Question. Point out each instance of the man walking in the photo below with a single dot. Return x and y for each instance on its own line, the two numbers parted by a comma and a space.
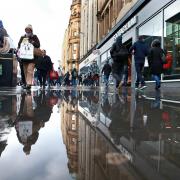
43, 66
119, 54
106, 70
140, 51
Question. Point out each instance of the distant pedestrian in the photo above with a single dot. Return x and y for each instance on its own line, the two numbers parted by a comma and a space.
107, 71
119, 54
155, 59
140, 51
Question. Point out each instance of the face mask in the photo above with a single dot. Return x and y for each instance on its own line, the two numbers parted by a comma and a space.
28, 34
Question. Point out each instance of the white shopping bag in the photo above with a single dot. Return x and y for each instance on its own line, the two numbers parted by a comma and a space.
26, 50
25, 129
146, 64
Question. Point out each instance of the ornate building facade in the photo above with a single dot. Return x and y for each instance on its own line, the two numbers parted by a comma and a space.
71, 45
70, 128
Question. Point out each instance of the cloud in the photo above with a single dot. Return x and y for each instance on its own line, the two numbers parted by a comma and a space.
49, 19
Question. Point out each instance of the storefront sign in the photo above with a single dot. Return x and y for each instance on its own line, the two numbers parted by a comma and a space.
126, 27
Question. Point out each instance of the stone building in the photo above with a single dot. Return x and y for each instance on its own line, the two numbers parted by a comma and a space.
71, 43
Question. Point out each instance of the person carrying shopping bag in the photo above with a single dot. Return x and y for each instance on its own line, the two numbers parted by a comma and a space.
26, 46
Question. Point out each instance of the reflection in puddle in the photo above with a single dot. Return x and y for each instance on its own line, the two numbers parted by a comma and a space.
103, 136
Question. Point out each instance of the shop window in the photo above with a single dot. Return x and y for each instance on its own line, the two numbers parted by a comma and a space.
151, 30
172, 41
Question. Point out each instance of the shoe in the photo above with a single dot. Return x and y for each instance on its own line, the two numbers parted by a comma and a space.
157, 87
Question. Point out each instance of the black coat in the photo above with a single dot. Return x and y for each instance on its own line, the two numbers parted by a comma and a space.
155, 60
106, 69
44, 63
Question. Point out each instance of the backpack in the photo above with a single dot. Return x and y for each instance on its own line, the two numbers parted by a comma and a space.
119, 54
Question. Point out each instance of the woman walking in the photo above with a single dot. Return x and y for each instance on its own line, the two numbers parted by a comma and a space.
155, 59
29, 64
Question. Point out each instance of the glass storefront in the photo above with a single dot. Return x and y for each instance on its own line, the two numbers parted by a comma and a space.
151, 30
165, 24
172, 40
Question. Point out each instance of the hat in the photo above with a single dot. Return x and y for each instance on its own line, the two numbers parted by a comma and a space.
29, 26
1, 24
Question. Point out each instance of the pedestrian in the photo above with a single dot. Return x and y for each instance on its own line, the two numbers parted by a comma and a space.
155, 60
74, 76
119, 54
66, 79
80, 80
140, 51
28, 65
60, 76
43, 66
106, 70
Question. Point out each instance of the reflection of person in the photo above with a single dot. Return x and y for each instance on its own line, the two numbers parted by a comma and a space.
106, 70
28, 65
31, 118
119, 116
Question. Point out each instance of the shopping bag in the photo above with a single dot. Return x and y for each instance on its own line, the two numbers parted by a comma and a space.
26, 50
53, 75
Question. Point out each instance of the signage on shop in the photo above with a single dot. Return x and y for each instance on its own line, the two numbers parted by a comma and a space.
126, 27
86, 61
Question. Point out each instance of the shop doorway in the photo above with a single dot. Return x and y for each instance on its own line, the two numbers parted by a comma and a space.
128, 44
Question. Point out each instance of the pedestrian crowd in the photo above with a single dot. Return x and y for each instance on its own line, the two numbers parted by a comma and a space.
37, 68
155, 55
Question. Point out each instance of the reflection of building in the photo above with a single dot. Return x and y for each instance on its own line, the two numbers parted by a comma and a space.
142, 135
70, 128
71, 43
98, 159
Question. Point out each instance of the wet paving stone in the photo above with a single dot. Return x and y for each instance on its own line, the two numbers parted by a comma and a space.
88, 135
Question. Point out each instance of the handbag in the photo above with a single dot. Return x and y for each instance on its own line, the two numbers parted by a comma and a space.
53, 75
38, 52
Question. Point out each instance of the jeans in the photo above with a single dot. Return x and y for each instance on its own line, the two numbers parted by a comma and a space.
157, 78
139, 68
73, 81
106, 79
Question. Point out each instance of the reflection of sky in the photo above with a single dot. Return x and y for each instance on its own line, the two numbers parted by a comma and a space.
47, 160
152, 27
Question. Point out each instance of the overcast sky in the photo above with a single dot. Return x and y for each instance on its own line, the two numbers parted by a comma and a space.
49, 19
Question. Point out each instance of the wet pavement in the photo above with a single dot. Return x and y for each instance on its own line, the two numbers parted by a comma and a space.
89, 135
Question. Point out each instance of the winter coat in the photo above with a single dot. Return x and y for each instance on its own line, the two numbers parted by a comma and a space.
140, 51
155, 60
119, 54
44, 63
106, 69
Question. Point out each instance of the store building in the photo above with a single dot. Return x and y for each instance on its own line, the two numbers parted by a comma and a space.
155, 21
